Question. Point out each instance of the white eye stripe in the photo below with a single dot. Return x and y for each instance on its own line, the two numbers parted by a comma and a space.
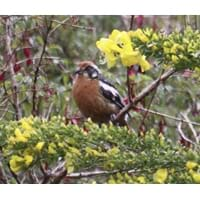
95, 67
94, 75
109, 88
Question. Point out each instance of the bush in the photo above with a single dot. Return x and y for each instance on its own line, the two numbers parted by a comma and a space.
39, 151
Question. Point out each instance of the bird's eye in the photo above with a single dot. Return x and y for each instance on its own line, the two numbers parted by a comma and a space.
92, 72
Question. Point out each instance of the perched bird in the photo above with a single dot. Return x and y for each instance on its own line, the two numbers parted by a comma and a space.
95, 96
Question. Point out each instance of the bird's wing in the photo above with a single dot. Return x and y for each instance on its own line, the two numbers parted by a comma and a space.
110, 93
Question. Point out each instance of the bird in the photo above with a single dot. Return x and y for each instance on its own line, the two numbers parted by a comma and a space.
95, 96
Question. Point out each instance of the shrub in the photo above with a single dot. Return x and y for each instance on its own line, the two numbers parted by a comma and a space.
34, 150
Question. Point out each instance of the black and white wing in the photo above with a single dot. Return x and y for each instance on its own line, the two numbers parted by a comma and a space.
110, 93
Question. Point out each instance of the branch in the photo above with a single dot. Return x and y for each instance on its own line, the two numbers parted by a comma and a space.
49, 111
56, 174
131, 22
128, 82
165, 115
36, 75
59, 172
96, 173
59, 24
33, 177
145, 92
151, 100
89, 28
46, 174
191, 127
38, 58
183, 135
3, 178
10, 60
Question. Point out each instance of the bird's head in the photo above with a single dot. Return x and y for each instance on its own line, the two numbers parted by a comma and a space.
87, 69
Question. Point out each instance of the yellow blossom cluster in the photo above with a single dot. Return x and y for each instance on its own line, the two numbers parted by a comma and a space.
193, 169
119, 46
38, 142
177, 49
23, 133
160, 176
17, 163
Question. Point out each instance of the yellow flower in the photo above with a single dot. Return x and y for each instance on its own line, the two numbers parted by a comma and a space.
139, 34
113, 151
155, 37
26, 123
167, 47
175, 59
51, 148
191, 165
166, 50
27, 134
61, 144
160, 175
119, 45
28, 120
16, 163
39, 146
92, 152
26, 126
167, 44
107, 45
28, 160
176, 47
11, 139
130, 57
74, 151
141, 179
19, 136
122, 38
144, 64
196, 177
110, 49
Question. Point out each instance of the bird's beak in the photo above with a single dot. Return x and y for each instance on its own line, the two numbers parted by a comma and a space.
78, 71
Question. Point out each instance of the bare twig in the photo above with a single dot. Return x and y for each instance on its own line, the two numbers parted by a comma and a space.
191, 126
96, 173
167, 116
183, 135
56, 174
15, 87
38, 58
89, 28
129, 84
5, 111
46, 174
151, 100
36, 75
3, 178
145, 92
131, 22
59, 24
33, 177
59, 172
48, 113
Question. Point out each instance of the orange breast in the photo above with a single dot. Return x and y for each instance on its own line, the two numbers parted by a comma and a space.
90, 101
